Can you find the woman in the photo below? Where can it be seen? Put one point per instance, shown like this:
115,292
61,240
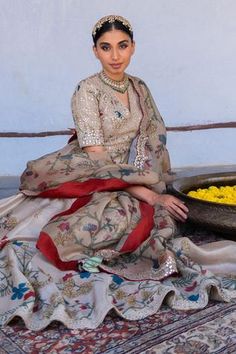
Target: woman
93,220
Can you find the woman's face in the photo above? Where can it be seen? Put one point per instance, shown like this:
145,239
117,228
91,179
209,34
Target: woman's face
114,50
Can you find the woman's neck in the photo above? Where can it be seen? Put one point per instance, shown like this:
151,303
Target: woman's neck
115,77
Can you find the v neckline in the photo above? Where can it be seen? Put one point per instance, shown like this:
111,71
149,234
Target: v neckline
114,97
128,109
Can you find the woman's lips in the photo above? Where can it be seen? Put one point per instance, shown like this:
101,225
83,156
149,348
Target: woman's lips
116,66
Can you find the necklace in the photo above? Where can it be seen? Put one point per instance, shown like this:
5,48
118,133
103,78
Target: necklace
120,86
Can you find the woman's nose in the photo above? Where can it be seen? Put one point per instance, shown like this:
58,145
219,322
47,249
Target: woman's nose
115,54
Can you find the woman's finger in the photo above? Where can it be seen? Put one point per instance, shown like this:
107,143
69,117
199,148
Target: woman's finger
179,202
177,213
181,205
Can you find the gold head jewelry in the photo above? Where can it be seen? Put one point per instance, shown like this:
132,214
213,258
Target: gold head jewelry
111,19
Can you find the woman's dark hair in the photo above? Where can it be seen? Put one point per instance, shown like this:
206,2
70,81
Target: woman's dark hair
108,26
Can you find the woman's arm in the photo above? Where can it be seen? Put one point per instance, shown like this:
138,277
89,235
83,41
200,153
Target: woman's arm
176,207
98,152
85,111
95,148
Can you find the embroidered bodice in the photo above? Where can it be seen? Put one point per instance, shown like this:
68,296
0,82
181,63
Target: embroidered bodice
102,119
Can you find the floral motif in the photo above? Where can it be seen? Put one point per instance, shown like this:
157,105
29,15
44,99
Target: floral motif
42,186
18,292
3,242
120,294
192,346
17,243
116,279
64,226
85,274
126,171
146,295
121,212
90,227
8,222
29,295
132,209
131,300
85,288
67,276
62,239
69,288
193,297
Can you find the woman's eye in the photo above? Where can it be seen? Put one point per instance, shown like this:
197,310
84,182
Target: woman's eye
123,46
105,48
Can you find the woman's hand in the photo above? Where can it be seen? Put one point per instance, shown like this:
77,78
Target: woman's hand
175,207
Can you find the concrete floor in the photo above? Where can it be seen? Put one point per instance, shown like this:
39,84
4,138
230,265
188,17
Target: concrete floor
9,184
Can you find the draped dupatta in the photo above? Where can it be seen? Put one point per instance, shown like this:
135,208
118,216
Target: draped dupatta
104,220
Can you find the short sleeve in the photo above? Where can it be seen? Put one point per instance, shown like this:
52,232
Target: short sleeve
86,115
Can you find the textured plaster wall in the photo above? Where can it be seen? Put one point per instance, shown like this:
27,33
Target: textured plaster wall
185,52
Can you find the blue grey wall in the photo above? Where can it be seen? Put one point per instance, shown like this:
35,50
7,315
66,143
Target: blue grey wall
185,52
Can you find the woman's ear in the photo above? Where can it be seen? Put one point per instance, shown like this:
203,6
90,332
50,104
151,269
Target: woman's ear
95,51
133,47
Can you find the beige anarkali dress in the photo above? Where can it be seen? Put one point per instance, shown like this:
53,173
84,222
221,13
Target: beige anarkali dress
74,244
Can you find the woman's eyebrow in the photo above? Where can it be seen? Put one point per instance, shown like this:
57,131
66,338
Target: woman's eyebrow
121,42
104,43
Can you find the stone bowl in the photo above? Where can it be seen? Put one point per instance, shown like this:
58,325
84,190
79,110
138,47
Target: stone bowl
215,216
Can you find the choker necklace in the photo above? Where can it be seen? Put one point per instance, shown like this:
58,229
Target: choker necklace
120,86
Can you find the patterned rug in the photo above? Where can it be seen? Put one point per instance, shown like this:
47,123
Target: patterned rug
210,330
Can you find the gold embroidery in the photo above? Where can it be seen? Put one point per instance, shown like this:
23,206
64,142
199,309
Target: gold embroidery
101,119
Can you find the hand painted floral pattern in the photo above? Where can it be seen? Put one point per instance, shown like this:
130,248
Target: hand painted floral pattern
18,292
46,294
78,245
